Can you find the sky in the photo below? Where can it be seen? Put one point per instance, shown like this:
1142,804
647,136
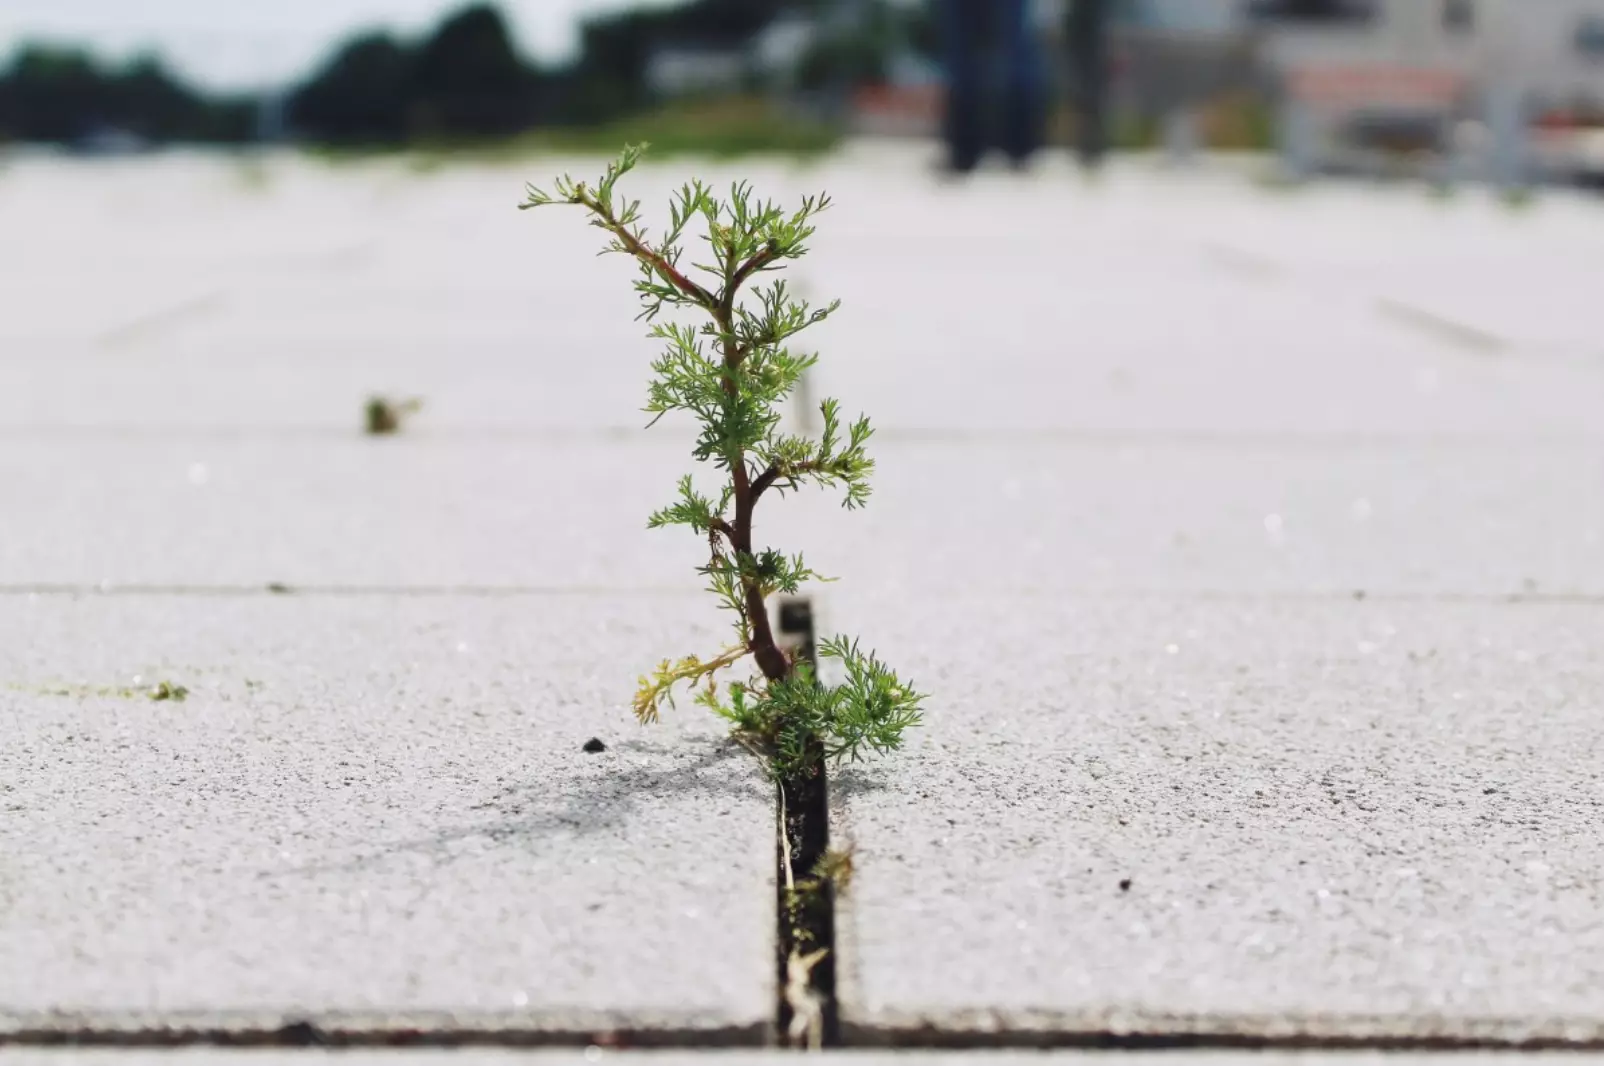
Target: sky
246,44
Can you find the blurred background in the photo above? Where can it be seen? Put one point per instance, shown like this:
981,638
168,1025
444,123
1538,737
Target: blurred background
1505,90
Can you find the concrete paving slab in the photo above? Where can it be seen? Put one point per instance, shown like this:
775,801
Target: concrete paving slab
1456,257
1048,515
1146,303
1231,819
1173,341
569,353
372,814
1182,303
958,514
341,509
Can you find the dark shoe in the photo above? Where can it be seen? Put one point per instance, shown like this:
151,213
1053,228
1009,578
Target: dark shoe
953,167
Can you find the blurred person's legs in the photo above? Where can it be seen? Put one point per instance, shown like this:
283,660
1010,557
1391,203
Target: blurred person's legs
1024,89
1087,23
975,31
963,25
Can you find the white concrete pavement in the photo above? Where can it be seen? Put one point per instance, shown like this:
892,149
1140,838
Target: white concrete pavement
1362,503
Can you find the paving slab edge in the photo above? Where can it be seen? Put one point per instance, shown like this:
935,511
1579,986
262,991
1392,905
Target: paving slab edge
556,1028
1141,1029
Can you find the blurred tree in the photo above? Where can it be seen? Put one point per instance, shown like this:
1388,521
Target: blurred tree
52,94
468,80
146,100
610,77
63,96
464,79
358,96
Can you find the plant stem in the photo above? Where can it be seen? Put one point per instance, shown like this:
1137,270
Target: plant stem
767,654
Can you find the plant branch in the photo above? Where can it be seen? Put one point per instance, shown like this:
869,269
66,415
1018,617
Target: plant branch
769,254
638,248
764,480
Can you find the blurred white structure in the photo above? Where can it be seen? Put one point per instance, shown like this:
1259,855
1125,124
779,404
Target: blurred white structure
1501,78
687,70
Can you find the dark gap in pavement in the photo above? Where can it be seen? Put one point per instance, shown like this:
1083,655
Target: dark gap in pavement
1315,441
419,1032
805,921
1457,334
275,588
1285,1038
279,588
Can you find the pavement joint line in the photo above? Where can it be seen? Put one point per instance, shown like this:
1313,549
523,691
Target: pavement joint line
1460,335
1203,595
1329,1033
1248,595
336,1030
1071,437
969,1031
77,590
155,321
414,434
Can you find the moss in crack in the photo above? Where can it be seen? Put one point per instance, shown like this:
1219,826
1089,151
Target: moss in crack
807,899
166,690
161,692
812,877
732,372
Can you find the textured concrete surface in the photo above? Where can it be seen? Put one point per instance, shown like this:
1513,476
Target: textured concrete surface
1198,510
1191,305
1050,515
1176,516
223,295
375,812
1251,815
345,510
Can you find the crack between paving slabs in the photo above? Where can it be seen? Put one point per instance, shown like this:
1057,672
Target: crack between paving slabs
805,957
1320,1033
340,1030
277,588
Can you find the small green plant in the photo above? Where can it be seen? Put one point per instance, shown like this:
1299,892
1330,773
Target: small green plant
732,372
383,416
166,690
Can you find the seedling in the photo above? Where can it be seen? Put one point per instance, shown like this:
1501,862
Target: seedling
384,416
733,372
166,690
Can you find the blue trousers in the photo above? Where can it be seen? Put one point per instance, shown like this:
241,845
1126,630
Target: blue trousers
996,30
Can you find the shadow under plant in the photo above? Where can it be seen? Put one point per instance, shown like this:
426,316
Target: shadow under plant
596,795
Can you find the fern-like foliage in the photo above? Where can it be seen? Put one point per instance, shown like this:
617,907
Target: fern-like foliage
732,373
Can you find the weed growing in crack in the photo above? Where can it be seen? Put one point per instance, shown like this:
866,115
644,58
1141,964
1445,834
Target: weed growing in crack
832,873
382,416
733,373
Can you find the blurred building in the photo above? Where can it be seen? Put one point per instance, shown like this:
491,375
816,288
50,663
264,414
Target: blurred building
1454,78
1369,76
